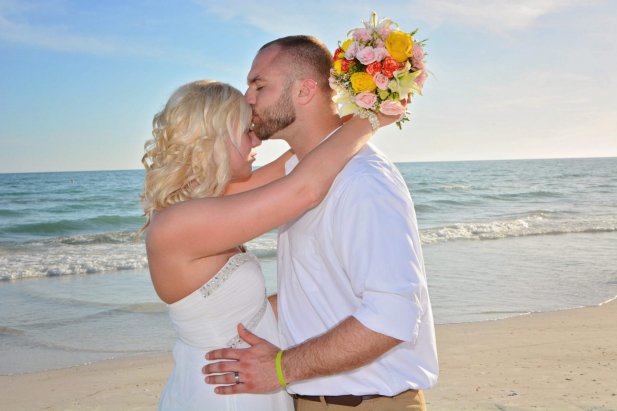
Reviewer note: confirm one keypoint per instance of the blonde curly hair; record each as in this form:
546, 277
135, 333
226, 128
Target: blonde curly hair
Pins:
187, 156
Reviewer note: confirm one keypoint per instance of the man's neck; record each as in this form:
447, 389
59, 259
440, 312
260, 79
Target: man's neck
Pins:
305, 137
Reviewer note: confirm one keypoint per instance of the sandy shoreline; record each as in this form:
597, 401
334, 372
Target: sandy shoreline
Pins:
564, 360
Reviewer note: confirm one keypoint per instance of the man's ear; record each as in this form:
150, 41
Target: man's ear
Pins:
307, 90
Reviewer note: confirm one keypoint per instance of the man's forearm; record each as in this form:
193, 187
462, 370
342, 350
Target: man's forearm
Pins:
347, 346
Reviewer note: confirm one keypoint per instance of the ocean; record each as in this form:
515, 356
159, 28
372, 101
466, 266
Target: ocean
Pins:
500, 238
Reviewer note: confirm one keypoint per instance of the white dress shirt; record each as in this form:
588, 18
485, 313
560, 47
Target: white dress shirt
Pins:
358, 254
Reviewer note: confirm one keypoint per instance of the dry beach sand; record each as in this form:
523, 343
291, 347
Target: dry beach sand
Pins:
564, 360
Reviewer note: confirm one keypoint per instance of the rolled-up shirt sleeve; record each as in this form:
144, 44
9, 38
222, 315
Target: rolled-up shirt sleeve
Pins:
376, 238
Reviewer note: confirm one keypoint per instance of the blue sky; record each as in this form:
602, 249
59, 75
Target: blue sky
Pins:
81, 80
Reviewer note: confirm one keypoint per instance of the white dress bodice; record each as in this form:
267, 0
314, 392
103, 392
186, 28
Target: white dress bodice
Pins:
207, 319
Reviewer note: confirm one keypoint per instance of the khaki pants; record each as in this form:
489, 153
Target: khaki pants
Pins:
410, 400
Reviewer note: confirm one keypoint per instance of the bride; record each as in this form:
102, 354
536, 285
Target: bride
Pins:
202, 202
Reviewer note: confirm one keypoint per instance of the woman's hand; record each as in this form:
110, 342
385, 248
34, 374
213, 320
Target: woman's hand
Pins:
383, 119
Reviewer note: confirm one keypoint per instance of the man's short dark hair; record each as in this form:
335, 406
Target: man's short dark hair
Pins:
306, 56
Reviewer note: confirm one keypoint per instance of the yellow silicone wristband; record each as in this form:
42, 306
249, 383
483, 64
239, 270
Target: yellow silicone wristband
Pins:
279, 369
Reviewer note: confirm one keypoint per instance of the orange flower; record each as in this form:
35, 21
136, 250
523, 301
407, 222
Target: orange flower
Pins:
373, 68
389, 66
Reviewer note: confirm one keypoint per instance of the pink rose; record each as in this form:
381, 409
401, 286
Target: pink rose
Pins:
366, 99
362, 35
381, 53
379, 43
366, 55
381, 80
418, 56
418, 66
392, 108
421, 79
350, 54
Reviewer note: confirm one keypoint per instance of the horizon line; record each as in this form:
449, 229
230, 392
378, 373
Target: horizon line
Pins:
261, 165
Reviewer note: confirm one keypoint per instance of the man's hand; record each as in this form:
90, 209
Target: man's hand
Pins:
255, 365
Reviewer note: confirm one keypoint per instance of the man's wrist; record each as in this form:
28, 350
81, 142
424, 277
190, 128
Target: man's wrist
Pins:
279, 369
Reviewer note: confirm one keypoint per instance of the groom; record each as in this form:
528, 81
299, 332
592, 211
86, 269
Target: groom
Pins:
354, 313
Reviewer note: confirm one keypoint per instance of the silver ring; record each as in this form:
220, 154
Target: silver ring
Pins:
237, 377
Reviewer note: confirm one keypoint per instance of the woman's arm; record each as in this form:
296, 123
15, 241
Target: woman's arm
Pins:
260, 177
203, 227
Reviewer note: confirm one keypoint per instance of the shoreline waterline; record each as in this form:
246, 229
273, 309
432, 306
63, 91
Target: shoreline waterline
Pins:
159, 308
165, 352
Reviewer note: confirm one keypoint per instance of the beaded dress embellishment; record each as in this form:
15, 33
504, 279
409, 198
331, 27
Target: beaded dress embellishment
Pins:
224, 273
235, 342
219, 278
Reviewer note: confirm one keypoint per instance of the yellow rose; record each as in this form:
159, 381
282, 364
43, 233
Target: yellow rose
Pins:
362, 81
399, 45
346, 44
337, 66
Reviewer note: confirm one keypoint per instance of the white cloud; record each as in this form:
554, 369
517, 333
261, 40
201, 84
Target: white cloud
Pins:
14, 28
494, 15
320, 17
280, 17
275, 17
53, 39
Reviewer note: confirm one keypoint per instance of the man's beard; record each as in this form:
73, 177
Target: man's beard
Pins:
276, 117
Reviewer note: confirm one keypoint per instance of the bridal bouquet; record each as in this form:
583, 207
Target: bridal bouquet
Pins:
375, 68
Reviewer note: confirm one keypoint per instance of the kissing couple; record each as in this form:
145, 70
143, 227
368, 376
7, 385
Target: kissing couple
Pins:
351, 325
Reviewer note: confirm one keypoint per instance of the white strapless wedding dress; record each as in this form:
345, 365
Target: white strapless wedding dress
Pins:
205, 320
